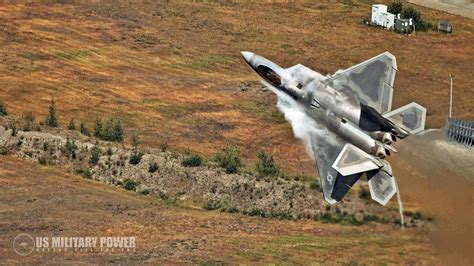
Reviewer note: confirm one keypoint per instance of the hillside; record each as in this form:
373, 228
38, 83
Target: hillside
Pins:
36, 200
173, 71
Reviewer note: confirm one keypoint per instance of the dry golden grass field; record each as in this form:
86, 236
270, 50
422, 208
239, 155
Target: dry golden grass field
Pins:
173, 72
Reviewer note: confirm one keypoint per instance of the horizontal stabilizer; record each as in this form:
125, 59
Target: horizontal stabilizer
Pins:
410, 117
353, 160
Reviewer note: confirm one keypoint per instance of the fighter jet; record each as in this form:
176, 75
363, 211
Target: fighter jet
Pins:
353, 110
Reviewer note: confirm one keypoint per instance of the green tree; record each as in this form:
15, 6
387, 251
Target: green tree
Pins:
97, 128
415, 15
109, 130
229, 159
136, 155
71, 125
71, 149
95, 155
51, 118
266, 165
28, 121
84, 130
395, 7
3, 109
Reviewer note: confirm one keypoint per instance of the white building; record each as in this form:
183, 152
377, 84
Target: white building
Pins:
381, 17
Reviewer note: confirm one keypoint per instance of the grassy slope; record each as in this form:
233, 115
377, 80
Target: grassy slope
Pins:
42, 201
173, 71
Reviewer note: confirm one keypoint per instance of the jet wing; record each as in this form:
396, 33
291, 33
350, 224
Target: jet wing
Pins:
303, 74
326, 147
370, 81
339, 164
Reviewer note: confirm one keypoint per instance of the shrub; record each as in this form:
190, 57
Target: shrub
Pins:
192, 160
3, 109
71, 125
266, 165
145, 191
42, 161
109, 152
85, 172
28, 121
315, 185
255, 212
84, 130
95, 155
411, 12
153, 167
129, 184
71, 148
395, 7
51, 118
364, 193
229, 159
212, 205
135, 157
164, 146
109, 130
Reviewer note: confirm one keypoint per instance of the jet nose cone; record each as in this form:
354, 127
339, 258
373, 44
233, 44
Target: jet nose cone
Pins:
247, 55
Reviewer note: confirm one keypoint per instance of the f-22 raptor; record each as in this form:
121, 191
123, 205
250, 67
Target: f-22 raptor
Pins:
353, 110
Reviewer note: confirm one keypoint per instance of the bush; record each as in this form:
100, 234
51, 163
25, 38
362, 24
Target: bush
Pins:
153, 167
364, 193
109, 130
84, 130
3, 109
95, 155
395, 7
28, 121
229, 159
136, 157
164, 146
255, 212
71, 125
192, 160
315, 185
71, 148
85, 172
129, 184
42, 161
109, 152
411, 12
51, 118
212, 205
266, 165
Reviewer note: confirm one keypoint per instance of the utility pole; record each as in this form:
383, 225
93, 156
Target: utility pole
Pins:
450, 95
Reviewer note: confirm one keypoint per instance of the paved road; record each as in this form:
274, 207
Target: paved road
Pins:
463, 8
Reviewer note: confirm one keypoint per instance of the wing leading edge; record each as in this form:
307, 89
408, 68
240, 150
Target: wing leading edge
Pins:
370, 81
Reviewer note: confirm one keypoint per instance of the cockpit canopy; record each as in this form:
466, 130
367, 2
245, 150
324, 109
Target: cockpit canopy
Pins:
269, 75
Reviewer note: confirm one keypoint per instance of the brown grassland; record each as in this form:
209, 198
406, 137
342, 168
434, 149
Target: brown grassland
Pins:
172, 71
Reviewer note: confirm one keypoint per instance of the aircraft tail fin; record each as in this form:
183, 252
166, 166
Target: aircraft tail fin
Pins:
409, 118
